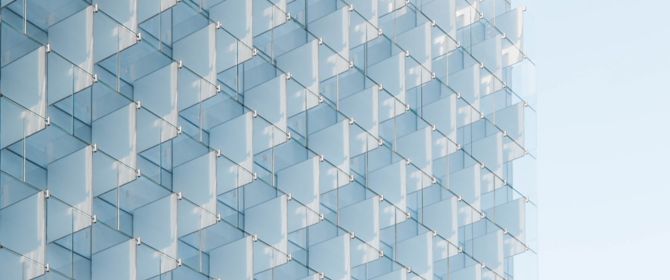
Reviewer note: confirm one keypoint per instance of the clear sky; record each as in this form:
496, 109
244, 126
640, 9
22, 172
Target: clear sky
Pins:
604, 130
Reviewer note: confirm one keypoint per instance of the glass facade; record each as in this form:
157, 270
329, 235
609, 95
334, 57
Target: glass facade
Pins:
266, 139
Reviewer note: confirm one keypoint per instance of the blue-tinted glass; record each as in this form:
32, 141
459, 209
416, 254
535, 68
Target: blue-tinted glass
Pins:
265, 139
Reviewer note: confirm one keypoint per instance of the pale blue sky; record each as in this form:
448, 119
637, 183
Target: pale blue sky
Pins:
604, 131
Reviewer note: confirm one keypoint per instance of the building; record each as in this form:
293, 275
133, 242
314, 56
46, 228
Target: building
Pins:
265, 139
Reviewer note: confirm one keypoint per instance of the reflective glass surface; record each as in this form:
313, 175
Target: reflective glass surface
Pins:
265, 139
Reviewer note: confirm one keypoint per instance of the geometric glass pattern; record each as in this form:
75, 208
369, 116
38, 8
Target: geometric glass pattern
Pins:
266, 139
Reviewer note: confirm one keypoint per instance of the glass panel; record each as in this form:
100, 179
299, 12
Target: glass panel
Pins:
489, 250
26, 238
333, 144
238, 149
115, 262
24, 81
273, 231
269, 100
473, 272
124, 11
391, 74
362, 219
417, 42
363, 108
417, 253
110, 36
71, 179
156, 225
115, 134
307, 73
391, 182
417, 147
233, 260
196, 180
73, 39
399, 274
149, 8
443, 114
443, 218
331, 257
195, 51
301, 181
267, 15
158, 92
466, 184
17, 122
333, 29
